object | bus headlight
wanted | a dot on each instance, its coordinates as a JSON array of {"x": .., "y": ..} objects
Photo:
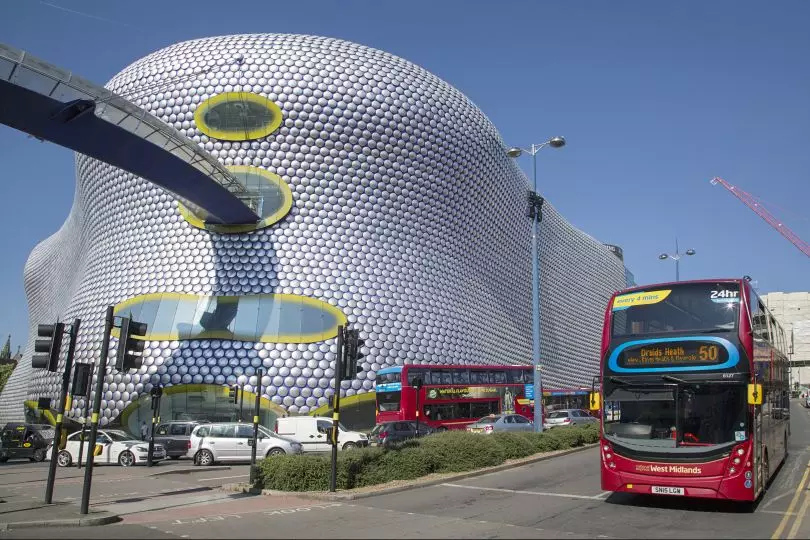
[
  {"x": 740, "y": 451},
  {"x": 736, "y": 461},
  {"x": 732, "y": 470}
]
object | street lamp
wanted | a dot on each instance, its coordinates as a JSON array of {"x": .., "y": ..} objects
[
  {"x": 535, "y": 213},
  {"x": 676, "y": 257}
]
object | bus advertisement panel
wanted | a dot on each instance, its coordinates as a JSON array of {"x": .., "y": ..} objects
[{"x": 695, "y": 391}]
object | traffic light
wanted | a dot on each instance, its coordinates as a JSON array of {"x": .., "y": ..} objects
[
  {"x": 129, "y": 348},
  {"x": 49, "y": 343},
  {"x": 232, "y": 393},
  {"x": 353, "y": 345}
]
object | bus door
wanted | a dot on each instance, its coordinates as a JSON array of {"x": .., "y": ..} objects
[{"x": 761, "y": 480}]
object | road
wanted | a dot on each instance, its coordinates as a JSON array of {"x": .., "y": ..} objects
[{"x": 558, "y": 498}]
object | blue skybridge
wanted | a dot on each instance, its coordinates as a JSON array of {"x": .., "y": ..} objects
[{"x": 55, "y": 105}]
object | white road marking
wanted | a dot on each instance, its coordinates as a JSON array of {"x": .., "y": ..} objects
[
  {"x": 777, "y": 512},
  {"x": 519, "y": 492},
  {"x": 222, "y": 477}
]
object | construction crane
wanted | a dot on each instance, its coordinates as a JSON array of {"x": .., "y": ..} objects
[{"x": 752, "y": 203}]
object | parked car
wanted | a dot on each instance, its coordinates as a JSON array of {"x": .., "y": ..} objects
[
  {"x": 501, "y": 422},
  {"x": 19, "y": 440},
  {"x": 112, "y": 446},
  {"x": 232, "y": 441},
  {"x": 313, "y": 433},
  {"x": 388, "y": 433},
  {"x": 568, "y": 417},
  {"x": 175, "y": 436}
]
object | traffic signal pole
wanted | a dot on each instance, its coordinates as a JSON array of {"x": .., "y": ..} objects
[
  {"x": 258, "y": 389},
  {"x": 60, "y": 410},
  {"x": 339, "y": 362},
  {"x": 102, "y": 371},
  {"x": 157, "y": 393}
]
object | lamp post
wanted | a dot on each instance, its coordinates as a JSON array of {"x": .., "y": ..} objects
[
  {"x": 676, "y": 257},
  {"x": 535, "y": 213}
]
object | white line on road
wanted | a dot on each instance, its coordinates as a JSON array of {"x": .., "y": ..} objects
[
  {"x": 222, "y": 477},
  {"x": 543, "y": 493}
]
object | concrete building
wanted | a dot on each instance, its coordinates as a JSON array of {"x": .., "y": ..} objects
[
  {"x": 391, "y": 206},
  {"x": 792, "y": 310}
]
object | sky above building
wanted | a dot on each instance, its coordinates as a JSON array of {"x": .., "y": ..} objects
[{"x": 653, "y": 98}]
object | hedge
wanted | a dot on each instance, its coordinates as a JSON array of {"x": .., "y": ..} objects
[{"x": 451, "y": 451}]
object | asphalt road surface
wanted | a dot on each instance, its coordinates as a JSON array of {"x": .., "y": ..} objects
[{"x": 557, "y": 498}]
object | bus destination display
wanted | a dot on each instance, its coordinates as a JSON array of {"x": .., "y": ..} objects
[{"x": 687, "y": 353}]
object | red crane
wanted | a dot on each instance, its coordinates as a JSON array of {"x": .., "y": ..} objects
[{"x": 752, "y": 203}]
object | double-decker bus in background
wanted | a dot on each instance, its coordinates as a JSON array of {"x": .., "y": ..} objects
[
  {"x": 451, "y": 397},
  {"x": 695, "y": 391}
]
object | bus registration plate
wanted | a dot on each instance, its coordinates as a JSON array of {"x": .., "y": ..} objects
[{"x": 667, "y": 490}]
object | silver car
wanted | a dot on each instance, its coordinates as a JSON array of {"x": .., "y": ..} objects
[
  {"x": 233, "y": 441},
  {"x": 567, "y": 417},
  {"x": 501, "y": 423}
]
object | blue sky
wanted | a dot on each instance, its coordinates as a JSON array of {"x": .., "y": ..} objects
[{"x": 654, "y": 98}]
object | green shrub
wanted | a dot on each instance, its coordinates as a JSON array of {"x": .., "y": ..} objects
[
  {"x": 295, "y": 473},
  {"x": 452, "y": 451},
  {"x": 456, "y": 451},
  {"x": 514, "y": 445}
]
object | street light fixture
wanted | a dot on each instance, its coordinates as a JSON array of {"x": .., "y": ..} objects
[
  {"x": 535, "y": 207},
  {"x": 676, "y": 257}
]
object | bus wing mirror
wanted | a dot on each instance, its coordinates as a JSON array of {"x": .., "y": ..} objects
[
  {"x": 755, "y": 394},
  {"x": 595, "y": 401}
]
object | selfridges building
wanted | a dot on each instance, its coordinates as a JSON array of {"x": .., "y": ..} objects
[{"x": 394, "y": 208}]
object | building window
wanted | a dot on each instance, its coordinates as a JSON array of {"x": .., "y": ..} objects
[{"x": 237, "y": 116}]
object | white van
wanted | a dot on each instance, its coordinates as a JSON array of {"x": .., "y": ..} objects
[{"x": 313, "y": 433}]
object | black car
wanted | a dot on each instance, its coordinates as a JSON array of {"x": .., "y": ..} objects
[
  {"x": 19, "y": 440},
  {"x": 388, "y": 433},
  {"x": 175, "y": 436}
]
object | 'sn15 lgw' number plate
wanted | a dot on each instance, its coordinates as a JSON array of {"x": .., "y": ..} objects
[{"x": 665, "y": 490}]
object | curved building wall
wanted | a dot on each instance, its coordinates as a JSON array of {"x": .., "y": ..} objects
[{"x": 406, "y": 215}]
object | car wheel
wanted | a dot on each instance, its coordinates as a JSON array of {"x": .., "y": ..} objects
[
  {"x": 349, "y": 446},
  {"x": 276, "y": 452},
  {"x": 126, "y": 458},
  {"x": 64, "y": 459},
  {"x": 39, "y": 455},
  {"x": 205, "y": 458},
  {"x": 175, "y": 457}
]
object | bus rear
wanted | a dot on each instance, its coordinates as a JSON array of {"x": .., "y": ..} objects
[{"x": 676, "y": 378}]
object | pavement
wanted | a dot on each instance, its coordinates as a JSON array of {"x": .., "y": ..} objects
[{"x": 556, "y": 498}]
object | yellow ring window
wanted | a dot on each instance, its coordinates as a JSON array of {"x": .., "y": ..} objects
[
  {"x": 273, "y": 200},
  {"x": 237, "y": 116}
]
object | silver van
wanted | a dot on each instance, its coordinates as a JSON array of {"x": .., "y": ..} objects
[{"x": 232, "y": 441}]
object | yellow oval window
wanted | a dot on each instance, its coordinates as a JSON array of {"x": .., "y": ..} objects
[
  {"x": 237, "y": 116},
  {"x": 270, "y": 197}
]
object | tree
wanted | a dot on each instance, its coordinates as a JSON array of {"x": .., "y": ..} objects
[{"x": 5, "y": 373}]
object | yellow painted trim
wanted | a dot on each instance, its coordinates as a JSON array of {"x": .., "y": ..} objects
[
  {"x": 345, "y": 401},
  {"x": 199, "y": 222},
  {"x": 58, "y": 418},
  {"x": 46, "y": 413},
  {"x": 336, "y": 416},
  {"x": 94, "y": 418},
  {"x": 255, "y": 419},
  {"x": 202, "y": 108},
  {"x": 340, "y": 319}
]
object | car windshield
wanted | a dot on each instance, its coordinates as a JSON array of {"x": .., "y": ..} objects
[
  {"x": 558, "y": 414},
  {"x": 119, "y": 436},
  {"x": 488, "y": 420},
  {"x": 693, "y": 307},
  {"x": 688, "y": 415}
]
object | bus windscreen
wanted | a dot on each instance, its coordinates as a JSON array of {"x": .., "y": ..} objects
[{"x": 692, "y": 307}]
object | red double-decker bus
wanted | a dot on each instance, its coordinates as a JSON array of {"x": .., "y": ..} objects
[
  {"x": 695, "y": 391},
  {"x": 451, "y": 397}
]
